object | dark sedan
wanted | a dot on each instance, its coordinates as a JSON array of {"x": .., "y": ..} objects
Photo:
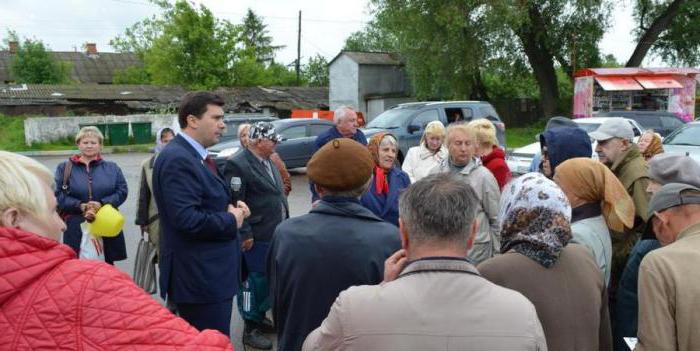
[{"x": 295, "y": 148}]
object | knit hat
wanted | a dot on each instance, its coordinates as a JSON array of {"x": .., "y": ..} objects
[
  {"x": 341, "y": 165},
  {"x": 674, "y": 168}
]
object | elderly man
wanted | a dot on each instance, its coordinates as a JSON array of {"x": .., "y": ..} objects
[
  {"x": 432, "y": 298},
  {"x": 616, "y": 150},
  {"x": 669, "y": 286},
  {"x": 257, "y": 182},
  {"x": 338, "y": 244},
  {"x": 461, "y": 146},
  {"x": 663, "y": 169},
  {"x": 345, "y": 119},
  {"x": 243, "y": 131}
]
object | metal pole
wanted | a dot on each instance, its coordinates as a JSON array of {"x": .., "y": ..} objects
[{"x": 299, "y": 50}]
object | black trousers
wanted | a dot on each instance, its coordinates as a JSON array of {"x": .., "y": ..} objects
[{"x": 202, "y": 316}]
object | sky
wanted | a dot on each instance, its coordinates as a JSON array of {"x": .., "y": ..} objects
[{"x": 66, "y": 24}]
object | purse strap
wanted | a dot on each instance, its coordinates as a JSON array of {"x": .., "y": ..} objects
[{"x": 67, "y": 169}]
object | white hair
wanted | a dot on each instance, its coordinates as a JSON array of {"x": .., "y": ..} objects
[
  {"x": 21, "y": 184},
  {"x": 389, "y": 139},
  {"x": 340, "y": 113}
]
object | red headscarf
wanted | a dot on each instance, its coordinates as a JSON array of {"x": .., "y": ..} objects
[{"x": 381, "y": 183}]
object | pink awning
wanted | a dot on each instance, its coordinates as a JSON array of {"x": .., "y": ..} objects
[
  {"x": 658, "y": 82},
  {"x": 618, "y": 83}
]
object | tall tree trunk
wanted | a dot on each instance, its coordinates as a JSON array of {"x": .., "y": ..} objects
[
  {"x": 478, "y": 91},
  {"x": 652, "y": 33},
  {"x": 533, "y": 36}
]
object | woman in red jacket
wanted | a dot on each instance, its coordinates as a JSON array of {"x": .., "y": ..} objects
[
  {"x": 492, "y": 156},
  {"x": 50, "y": 300}
]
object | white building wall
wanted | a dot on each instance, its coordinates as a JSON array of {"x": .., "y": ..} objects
[{"x": 343, "y": 84}]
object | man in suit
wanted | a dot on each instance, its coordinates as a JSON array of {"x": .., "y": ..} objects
[
  {"x": 256, "y": 181},
  {"x": 200, "y": 253}
]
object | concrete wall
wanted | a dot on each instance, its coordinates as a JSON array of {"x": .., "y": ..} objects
[
  {"x": 47, "y": 129},
  {"x": 343, "y": 84},
  {"x": 381, "y": 80}
]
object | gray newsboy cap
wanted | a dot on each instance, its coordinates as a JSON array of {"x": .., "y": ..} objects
[
  {"x": 613, "y": 128},
  {"x": 670, "y": 195},
  {"x": 674, "y": 168}
]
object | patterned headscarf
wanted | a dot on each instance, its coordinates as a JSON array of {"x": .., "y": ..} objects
[
  {"x": 655, "y": 146},
  {"x": 263, "y": 130},
  {"x": 535, "y": 218},
  {"x": 381, "y": 183}
]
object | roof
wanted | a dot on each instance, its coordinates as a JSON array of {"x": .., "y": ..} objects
[
  {"x": 635, "y": 71},
  {"x": 371, "y": 58},
  {"x": 151, "y": 96},
  {"x": 98, "y": 68}
]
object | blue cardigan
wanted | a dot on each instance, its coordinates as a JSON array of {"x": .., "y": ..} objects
[{"x": 386, "y": 206}]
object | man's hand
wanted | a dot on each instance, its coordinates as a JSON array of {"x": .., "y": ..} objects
[
  {"x": 394, "y": 265},
  {"x": 244, "y": 207},
  {"x": 238, "y": 213},
  {"x": 247, "y": 244}
]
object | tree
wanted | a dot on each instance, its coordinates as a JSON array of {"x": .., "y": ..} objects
[
  {"x": 669, "y": 29},
  {"x": 256, "y": 39},
  {"x": 373, "y": 38},
  {"x": 33, "y": 63},
  {"x": 315, "y": 71}
]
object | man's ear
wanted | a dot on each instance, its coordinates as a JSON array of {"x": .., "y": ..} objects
[
  {"x": 403, "y": 234},
  {"x": 10, "y": 218},
  {"x": 192, "y": 121},
  {"x": 473, "y": 229}
]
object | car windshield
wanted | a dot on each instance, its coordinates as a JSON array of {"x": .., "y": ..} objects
[
  {"x": 689, "y": 135},
  {"x": 391, "y": 119},
  {"x": 589, "y": 127}
]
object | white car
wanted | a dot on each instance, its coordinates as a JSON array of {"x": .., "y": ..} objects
[
  {"x": 519, "y": 159},
  {"x": 685, "y": 140}
]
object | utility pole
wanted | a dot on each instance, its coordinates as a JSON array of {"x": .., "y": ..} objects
[{"x": 299, "y": 50}]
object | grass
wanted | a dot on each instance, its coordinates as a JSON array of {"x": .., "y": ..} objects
[
  {"x": 12, "y": 139},
  {"x": 517, "y": 137}
]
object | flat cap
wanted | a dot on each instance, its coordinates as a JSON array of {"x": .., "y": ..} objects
[
  {"x": 614, "y": 127},
  {"x": 669, "y": 196},
  {"x": 341, "y": 165},
  {"x": 674, "y": 168}
]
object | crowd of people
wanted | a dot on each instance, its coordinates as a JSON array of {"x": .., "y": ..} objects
[{"x": 593, "y": 250}]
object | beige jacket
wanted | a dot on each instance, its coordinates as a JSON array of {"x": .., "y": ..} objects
[
  {"x": 419, "y": 161},
  {"x": 435, "y": 304},
  {"x": 669, "y": 295},
  {"x": 488, "y": 238}
]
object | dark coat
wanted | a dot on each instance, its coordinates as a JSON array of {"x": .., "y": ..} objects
[
  {"x": 386, "y": 206},
  {"x": 314, "y": 257},
  {"x": 265, "y": 199},
  {"x": 200, "y": 253},
  {"x": 323, "y": 139},
  {"x": 108, "y": 187}
]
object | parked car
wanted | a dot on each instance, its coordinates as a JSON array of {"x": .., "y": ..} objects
[
  {"x": 661, "y": 122},
  {"x": 232, "y": 123},
  {"x": 685, "y": 140},
  {"x": 520, "y": 159},
  {"x": 407, "y": 121},
  {"x": 295, "y": 148}
]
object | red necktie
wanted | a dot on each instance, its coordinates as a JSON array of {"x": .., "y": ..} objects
[{"x": 211, "y": 165}]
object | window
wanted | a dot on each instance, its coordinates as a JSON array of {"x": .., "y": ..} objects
[
  {"x": 454, "y": 115},
  {"x": 317, "y": 129},
  {"x": 294, "y": 132},
  {"x": 689, "y": 135},
  {"x": 489, "y": 113},
  {"x": 468, "y": 113},
  {"x": 425, "y": 117},
  {"x": 671, "y": 123}
]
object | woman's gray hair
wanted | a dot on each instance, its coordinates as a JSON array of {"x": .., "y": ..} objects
[
  {"x": 438, "y": 208},
  {"x": 389, "y": 140}
]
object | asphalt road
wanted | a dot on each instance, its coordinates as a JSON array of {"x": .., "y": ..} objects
[{"x": 299, "y": 203}]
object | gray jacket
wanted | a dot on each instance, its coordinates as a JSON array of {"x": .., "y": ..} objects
[
  {"x": 488, "y": 238},
  {"x": 594, "y": 235},
  {"x": 435, "y": 304}
]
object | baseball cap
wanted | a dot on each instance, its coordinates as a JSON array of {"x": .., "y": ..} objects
[
  {"x": 264, "y": 130},
  {"x": 669, "y": 196},
  {"x": 613, "y": 128}
]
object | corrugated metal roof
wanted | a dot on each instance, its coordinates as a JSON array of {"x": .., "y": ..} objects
[
  {"x": 371, "y": 58},
  {"x": 99, "y": 68}
]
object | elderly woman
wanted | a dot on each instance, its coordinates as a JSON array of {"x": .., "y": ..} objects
[
  {"x": 561, "y": 144},
  {"x": 598, "y": 201},
  {"x": 243, "y": 133},
  {"x": 86, "y": 183},
  {"x": 431, "y": 151},
  {"x": 650, "y": 144},
  {"x": 382, "y": 197},
  {"x": 560, "y": 279},
  {"x": 35, "y": 269},
  {"x": 492, "y": 156}
]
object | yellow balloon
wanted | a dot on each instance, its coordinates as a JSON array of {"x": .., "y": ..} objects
[{"x": 108, "y": 222}]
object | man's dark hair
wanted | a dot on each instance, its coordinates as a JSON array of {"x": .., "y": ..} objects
[
  {"x": 438, "y": 208},
  {"x": 195, "y": 104}
]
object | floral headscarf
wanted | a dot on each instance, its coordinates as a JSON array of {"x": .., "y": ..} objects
[{"x": 535, "y": 218}]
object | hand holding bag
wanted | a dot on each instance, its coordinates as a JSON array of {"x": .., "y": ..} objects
[{"x": 145, "y": 266}]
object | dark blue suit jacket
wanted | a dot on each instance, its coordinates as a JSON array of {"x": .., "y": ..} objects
[{"x": 200, "y": 253}]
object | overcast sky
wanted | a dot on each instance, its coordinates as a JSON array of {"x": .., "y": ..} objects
[{"x": 66, "y": 24}]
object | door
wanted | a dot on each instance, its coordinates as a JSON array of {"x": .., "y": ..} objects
[
  {"x": 291, "y": 149},
  {"x": 417, "y": 126}
]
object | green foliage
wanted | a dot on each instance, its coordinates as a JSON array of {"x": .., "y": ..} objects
[
  {"x": 34, "y": 64},
  {"x": 256, "y": 40},
  {"x": 679, "y": 44},
  {"x": 315, "y": 71},
  {"x": 373, "y": 38},
  {"x": 132, "y": 75}
]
